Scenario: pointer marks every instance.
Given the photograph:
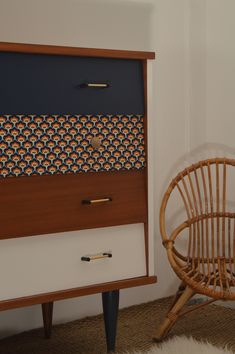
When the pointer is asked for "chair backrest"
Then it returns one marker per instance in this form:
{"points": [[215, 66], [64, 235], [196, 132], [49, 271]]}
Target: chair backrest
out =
{"points": [[207, 191]]}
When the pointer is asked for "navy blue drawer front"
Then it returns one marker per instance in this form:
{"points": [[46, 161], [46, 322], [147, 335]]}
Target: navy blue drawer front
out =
{"points": [[50, 84]]}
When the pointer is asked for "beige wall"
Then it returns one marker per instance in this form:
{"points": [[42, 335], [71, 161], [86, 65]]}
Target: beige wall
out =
{"points": [[197, 64], [84, 23], [160, 25], [221, 73]]}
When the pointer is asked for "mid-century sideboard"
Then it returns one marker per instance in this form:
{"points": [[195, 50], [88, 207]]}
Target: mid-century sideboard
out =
{"points": [[73, 176]]}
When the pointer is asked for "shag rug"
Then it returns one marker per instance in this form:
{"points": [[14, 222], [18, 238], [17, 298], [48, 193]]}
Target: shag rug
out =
{"points": [[184, 345]]}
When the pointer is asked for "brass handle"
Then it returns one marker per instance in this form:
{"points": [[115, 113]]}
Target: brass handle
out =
{"points": [[96, 256], [96, 201], [96, 85]]}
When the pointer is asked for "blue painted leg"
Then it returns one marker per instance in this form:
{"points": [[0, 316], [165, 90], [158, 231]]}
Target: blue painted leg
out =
{"points": [[110, 308]]}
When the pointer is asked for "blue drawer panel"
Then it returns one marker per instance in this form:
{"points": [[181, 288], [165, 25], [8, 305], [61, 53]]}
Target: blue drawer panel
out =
{"points": [[50, 84]]}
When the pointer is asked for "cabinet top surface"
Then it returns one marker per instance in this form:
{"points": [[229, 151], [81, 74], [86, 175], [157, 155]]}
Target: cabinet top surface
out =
{"points": [[74, 51]]}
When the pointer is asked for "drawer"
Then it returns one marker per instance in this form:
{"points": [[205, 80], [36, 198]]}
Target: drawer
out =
{"points": [[38, 264], [52, 144], [50, 84], [47, 204]]}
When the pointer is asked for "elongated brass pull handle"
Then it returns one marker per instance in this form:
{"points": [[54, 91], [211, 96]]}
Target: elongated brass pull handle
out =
{"points": [[96, 201], [96, 85], [96, 256]]}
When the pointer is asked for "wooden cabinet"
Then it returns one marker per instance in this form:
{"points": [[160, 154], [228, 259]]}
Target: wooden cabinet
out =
{"points": [[73, 175], [48, 204]]}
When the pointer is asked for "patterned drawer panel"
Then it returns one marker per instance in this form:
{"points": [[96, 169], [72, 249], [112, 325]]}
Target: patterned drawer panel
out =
{"points": [[59, 144]]}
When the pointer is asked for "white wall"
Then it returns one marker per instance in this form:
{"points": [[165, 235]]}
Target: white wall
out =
{"points": [[160, 25], [220, 72], [212, 82], [85, 23], [170, 113], [197, 82]]}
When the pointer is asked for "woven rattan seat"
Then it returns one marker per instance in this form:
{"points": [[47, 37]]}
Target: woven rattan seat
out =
{"points": [[205, 260]]}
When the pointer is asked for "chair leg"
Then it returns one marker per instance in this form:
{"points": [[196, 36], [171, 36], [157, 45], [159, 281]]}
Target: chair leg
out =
{"points": [[179, 292], [173, 313]]}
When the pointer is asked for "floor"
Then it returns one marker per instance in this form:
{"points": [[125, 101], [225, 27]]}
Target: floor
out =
{"points": [[135, 328]]}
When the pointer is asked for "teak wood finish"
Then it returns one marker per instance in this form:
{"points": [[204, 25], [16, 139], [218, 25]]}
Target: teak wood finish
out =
{"points": [[47, 313], [145, 67], [74, 51], [207, 265], [126, 192], [70, 293], [60, 201]]}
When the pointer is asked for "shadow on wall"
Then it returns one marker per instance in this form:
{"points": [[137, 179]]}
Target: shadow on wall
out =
{"points": [[120, 23], [175, 211], [203, 152]]}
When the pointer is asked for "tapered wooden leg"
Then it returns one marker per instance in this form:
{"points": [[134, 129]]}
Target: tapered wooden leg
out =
{"points": [[47, 313], [110, 301], [173, 314], [179, 292]]}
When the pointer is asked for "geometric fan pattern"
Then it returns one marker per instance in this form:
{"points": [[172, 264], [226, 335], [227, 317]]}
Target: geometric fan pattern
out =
{"points": [[58, 144]]}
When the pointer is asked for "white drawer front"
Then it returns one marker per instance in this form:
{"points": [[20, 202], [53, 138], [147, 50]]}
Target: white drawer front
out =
{"points": [[41, 264]]}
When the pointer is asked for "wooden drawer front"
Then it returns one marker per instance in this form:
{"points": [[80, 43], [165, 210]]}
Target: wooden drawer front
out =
{"points": [[48, 204], [52, 144], [35, 265], [50, 84]]}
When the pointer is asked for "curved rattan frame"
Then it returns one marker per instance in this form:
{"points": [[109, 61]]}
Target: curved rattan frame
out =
{"points": [[209, 266]]}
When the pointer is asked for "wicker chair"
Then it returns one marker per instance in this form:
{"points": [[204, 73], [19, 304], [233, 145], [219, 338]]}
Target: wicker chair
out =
{"points": [[207, 264]]}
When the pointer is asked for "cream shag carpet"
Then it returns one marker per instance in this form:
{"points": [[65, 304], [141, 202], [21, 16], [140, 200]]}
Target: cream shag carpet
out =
{"points": [[183, 345]]}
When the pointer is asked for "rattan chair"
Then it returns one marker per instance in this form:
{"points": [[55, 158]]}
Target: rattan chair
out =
{"points": [[206, 263]]}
